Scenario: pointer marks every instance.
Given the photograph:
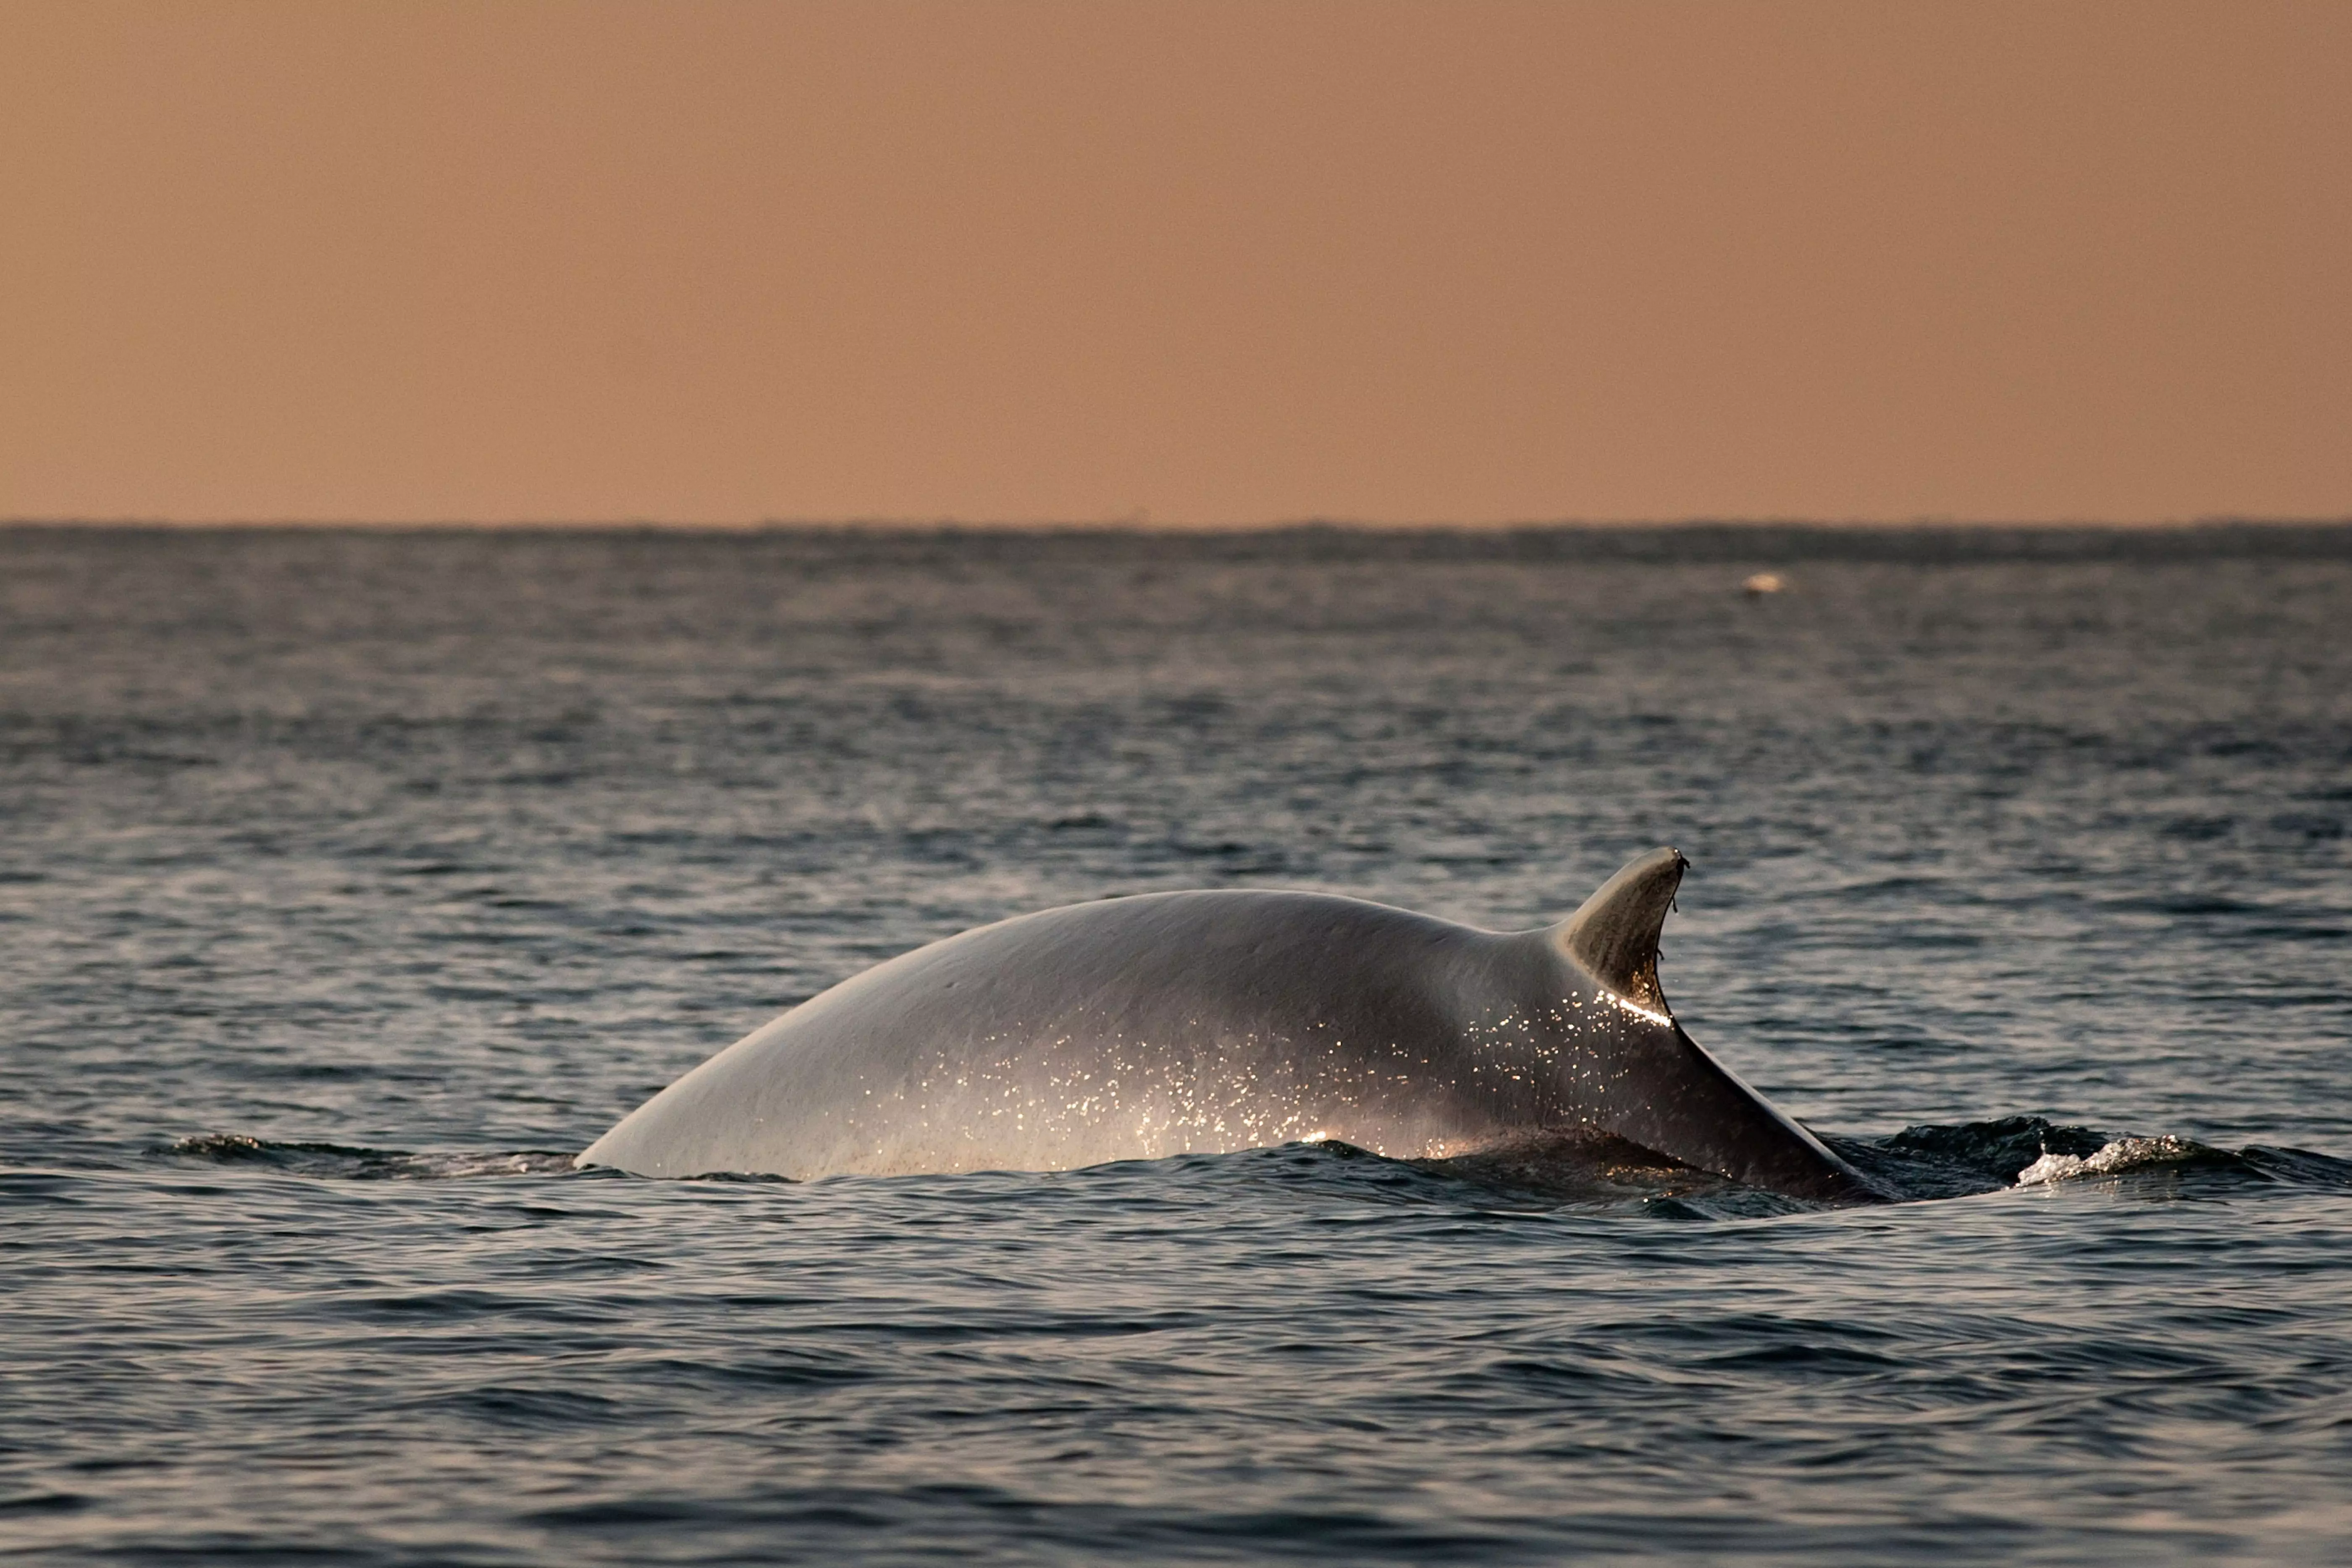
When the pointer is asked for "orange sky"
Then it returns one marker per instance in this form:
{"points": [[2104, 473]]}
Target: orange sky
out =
{"points": [[1221, 262]]}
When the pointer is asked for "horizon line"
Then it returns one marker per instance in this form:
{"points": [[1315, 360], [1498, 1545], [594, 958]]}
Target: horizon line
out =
{"points": [[1143, 522]]}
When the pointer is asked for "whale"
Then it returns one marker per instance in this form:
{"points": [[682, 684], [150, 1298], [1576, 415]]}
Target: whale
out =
{"points": [[1209, 1021]]}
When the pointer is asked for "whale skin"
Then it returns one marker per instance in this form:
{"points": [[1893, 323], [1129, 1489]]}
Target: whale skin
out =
{"points": [[1162, 1024]]}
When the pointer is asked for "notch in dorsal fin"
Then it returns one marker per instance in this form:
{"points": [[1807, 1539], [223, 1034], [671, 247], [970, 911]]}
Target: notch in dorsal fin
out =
{"points": [[1614, 937]]}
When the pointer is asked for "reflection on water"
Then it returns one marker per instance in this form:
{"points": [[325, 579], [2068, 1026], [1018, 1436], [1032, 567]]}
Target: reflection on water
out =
{"points": [[350, 883]]}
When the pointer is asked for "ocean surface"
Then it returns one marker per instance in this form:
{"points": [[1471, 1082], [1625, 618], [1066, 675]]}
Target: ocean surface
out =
{"points": [[352, 882]]}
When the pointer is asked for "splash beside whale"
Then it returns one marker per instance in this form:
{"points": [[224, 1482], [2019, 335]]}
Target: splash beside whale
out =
{"points": [[1207, 1022]]}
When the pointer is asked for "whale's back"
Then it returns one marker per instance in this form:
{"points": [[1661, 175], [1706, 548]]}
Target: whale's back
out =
{"points": [[1127, 1029]]}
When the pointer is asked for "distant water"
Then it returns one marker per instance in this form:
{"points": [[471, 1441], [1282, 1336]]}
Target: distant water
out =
{"points": [[350, 882]]}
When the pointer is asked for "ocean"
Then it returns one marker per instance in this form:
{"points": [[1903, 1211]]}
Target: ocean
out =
{"points": [[352, 881]]}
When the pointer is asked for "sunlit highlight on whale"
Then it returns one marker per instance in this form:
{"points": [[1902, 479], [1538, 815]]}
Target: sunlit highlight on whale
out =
{"points": [[1207, 1022]]}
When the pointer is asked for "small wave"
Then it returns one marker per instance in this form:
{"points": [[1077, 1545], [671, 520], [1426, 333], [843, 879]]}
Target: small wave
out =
{"points": [[2167, 1152], [1960, 1159], [1967, 1158], [361, 1164], [2133, 1154]]}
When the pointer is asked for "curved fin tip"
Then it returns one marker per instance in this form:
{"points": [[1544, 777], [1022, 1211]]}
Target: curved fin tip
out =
{"points": [[1615, 935]]}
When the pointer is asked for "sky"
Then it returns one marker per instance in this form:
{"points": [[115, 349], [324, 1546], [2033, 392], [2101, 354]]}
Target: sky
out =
{"points": [[1190, 262]]}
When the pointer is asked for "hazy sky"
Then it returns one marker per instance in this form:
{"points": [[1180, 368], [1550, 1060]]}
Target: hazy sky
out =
{"points": [[1223, 262]]}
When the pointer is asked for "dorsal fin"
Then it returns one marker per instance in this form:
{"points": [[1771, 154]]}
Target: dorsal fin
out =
{"points": [[1614, 937]]}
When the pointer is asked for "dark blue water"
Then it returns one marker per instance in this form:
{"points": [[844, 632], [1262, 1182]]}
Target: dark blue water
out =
{"points": [[350, 882]]}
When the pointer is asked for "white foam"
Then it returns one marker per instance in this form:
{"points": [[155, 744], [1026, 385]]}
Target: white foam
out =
{"points": [[2123, 1154]]}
